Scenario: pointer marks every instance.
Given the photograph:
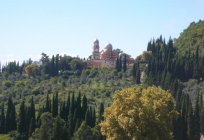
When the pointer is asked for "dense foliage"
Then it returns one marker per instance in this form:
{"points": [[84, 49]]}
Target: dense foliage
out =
{"points": [[191, 38], [139, 114], [61, 93]]}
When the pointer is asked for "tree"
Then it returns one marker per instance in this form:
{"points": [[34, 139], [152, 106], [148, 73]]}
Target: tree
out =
{"points": [[55, 105], [59, 130], [125, 63], [197, 120], [31, 70], [45, 129], [11, 123], [84, 106], [84, 133], [101, 111], [22, 119], [2, 120], [139, 113], [138, 74], [117, 65]]}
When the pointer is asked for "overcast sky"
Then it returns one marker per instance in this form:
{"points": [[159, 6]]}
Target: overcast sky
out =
{"points": [[30, 27]]}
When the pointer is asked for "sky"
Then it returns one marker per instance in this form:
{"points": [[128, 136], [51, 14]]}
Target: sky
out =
{"points": [[30, 27]]}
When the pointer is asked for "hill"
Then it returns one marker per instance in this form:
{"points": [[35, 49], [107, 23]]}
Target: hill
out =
{"points": [[191, 38]]}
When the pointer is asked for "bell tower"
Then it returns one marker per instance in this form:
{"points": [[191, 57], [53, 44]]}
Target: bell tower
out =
{"points": [[95, 53]]}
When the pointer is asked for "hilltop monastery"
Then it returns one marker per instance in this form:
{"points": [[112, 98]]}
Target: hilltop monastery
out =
{"points": [[106, 57]]}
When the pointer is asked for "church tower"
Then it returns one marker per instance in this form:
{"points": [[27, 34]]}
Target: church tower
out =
{"points": [[96, 53]]}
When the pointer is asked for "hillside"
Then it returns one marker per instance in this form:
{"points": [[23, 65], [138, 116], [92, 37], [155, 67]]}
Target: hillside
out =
{"points": [[191, 38], [64, 93]]}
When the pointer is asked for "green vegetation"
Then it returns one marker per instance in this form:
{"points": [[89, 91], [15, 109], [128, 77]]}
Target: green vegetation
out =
{"points": [[60, 98], [139, 113], [191, 38], [5, 137]]}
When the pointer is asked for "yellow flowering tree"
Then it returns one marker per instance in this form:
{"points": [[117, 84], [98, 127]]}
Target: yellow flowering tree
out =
{"points": [[139, 114]]}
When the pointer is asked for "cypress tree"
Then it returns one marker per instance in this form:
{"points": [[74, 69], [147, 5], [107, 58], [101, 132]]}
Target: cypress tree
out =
{"points": [[87, 117], [11, 116], [134, 71], [197, 120], [93, 117], [78, 107], [67, 107], [101, 111], [138, 74], [117, 65], [22, 118], [2, 120], [63, 111], [32, 110], [190, 122], [57, 64], [125, 63], [70, 125], [31, 127], [120, 64], [72, 104], [47, 106], [52, 65], [84, 106], [53, 106]]}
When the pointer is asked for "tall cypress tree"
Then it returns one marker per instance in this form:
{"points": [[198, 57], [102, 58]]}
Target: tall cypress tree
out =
{"points": [[125, 63], [11, 116], [32, 110], [84, 106], [117, 65], [197, 120], [31, 127], [47, 105], [138, 74], [78, 107], [101, 111], [67, 107], [120, 64], [2, 120], [53, 106], [22, 118]]}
